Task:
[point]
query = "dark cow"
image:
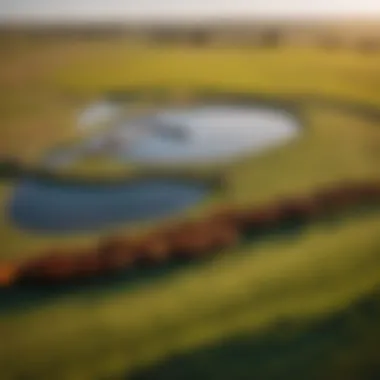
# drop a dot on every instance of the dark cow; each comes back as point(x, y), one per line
point(193, 240)
point(53, 267)
point(338, 198)
point(298, 209)
point(88, 263)
point(8, 274)
point(154, 249)
point(227, 216)
point(368, 192)
point(258, 220)
point(223, 231)
point(190, 240)
point(117, 253)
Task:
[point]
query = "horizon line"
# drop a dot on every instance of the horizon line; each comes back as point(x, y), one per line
point(188, 21)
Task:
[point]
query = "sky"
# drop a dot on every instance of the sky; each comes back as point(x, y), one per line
point(186, 10)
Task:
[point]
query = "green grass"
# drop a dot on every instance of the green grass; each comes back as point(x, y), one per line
point(317, 273)
point(306, 278)
point(326, 348)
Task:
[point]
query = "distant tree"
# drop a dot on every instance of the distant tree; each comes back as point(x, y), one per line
point(123, 94)
point(165, 35)
point(271, 38)
point(200, 38)
point(369, 45)
point(330, 42)
point(10, 169)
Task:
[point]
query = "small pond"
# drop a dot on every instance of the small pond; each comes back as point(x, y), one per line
point(69, 208)
point(191, 135)
point(205, 134)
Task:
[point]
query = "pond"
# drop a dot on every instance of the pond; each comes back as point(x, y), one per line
point(191, 135)
point(206, 134)
point(70, 208)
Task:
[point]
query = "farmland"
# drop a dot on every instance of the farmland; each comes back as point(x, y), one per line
point(306, 278)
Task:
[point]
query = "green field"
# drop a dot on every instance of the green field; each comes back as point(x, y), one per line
point(242, 291)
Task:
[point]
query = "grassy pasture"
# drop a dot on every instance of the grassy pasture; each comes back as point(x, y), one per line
point(306, 278)
point(309, 277)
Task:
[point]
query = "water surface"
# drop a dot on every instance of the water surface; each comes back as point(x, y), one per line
point(59, 208)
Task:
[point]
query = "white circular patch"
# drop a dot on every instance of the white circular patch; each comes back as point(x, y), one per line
point(204, 134)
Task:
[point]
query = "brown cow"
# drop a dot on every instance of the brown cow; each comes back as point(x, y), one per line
point(258, 219)
point(201, 238)
point(8, 274)
point(337, 198)
point(117, 253)
point(153, 249)
point(298, 209)
point(226, 215)
point(54, 266)
point(88, 263)
point(189, 240)
point(224, 231)
point(368, 192)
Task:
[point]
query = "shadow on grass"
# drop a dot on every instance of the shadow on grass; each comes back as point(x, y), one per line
point(287, 351)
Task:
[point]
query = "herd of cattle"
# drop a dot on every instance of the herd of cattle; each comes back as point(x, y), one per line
point(190, 240)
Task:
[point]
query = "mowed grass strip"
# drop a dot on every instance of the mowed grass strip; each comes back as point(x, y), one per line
point(344, 74)
point(317, 273)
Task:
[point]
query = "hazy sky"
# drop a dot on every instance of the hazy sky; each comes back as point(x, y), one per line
point(181, 9)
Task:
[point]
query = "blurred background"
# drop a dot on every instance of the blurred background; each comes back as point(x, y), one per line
point(189, 189)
